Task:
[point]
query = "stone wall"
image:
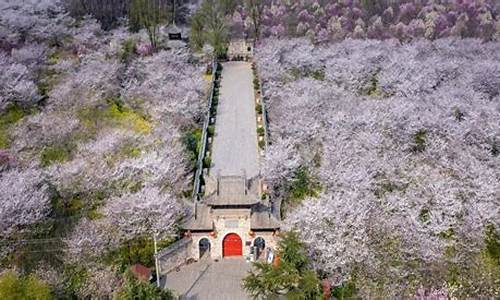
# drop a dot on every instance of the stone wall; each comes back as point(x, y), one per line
point(240, 48)
point(175, 255)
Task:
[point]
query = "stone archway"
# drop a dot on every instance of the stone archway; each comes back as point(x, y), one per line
point(204, 247)
point(232, 245)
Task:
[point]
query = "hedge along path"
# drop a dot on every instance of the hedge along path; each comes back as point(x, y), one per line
point(235, 146)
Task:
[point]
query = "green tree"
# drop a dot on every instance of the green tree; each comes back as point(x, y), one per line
point(255, 9)
point(149, 14)
point(209, 25)
point(292, 278)
point(14, 287)
point(134, 289)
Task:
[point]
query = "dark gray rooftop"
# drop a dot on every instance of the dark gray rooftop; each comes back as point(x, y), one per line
point(262, 218)
point(232, 191)
point(202, 219)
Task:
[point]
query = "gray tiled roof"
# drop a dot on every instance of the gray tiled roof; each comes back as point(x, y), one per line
point(232, 191)
point(262, 218)
point(203, 220)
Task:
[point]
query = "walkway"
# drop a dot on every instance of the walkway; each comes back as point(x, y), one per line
point(210, 280)
point(235, 144)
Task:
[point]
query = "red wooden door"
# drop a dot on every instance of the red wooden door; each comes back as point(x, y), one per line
point(232, 245)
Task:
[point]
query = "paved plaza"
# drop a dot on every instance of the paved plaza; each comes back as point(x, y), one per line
point(210, 280)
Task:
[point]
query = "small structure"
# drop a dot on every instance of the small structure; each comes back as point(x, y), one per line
point(174, 32)
point(240, 49)
point(141, 272)
point(232, 221)
point(175, 36)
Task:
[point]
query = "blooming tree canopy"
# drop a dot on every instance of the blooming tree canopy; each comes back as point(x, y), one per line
point(404, 140)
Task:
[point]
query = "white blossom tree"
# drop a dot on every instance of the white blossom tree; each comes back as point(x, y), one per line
point(24, 200)
point(407, 137)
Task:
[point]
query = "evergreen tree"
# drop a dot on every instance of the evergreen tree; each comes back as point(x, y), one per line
point(292, 277)
point(134, 289)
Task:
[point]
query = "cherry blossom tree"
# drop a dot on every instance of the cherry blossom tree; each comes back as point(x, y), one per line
point(403, 139)
point(118, 121)
point(166, 80)
point(17, 84)
point(402, 19)
point(33, 20)
point(144, 212)
point(24, 200)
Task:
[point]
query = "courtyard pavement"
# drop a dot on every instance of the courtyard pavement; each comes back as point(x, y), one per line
point(235, 144)
point(210, 280)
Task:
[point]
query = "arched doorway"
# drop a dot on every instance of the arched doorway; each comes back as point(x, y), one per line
point(232, 245)
point(259, 246)
point(204, 246)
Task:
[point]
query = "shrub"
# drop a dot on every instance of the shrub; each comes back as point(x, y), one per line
point(213, 110)
point(211, 130)
point(298, 73)
point(215, 100)
point(128, 50)
point(492, 242)
point(256, 84)
point(458, 114)
point(192, 142)
point(424, 216)
point(12, 286)
point(130, 151)
point(495, 149)
point(345, 291)
point(261, 131)
point(262, 144)
point(207, 162)
point(295, 72)
point(12, 114)
point(54, 154)
point(420, 141)
point(318, 74)
point(75, 277)
point(302, 185)
point(258, 108)
point(78, 204)
point(115, 114)
point(47, 77)
point(373, 89)
point(137, 250)
point(293, 277)
point(209, 70)
point(135, 289)
point(447, 234)
point(386, 186)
